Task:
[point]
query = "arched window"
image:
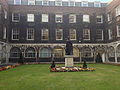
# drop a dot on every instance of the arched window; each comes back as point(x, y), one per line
point(75, 52)
point(118, 51)
point(111, 52)
point(86, 52)
point(58, 52)
point(15, 52)
point(30, 52)
point(45, 53)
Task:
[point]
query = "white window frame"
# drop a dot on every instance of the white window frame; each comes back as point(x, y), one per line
point(4, 32)
point(29, 16)
point(28, 32)
point(110, 34)
point(72, 15)
point(83, 3)
point(13, 18)
point(15, 33)
point(118, 10)
point(101, 17)
point(101, 36)
point(70, 33)
point(17, 3)
point(86, 34)
point(58, 16)
point(45, 18)
point(97, 3)
point(31, 2)
point(42, 34)
point(61, 35)
point(86, 18)
point(58, 1)
point(118, 30)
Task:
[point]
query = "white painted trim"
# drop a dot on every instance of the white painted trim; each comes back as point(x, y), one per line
point(13, 18)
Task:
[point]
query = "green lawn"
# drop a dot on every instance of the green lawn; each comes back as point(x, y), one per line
point(38, 77)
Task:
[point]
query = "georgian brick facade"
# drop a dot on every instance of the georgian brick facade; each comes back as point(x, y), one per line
point(29, 38)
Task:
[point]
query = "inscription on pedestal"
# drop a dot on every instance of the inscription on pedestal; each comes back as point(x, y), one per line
point(68, 61)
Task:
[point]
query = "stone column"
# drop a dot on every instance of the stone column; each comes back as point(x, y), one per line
point(115, 54)
point(94, 54)
point(106, 55)
point(7, 53)
point(80, 55)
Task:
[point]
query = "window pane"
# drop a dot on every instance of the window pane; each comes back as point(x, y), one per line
point(59, 18)
point(59, 34)
point(84, 4)
point(44, 34)
point(58, 3)
point(14, 52)
point(44, 17)
point(99, 34)
point(86, 34)
point(15, 34)
point(86, 18)
point(30, 34)
point(58, 53)
point(30, 17)
point(30, 52)
point(15, 17)
point(71, 3)
point(17, 2)
point(86, 52)
point(99, 19)
point(97, 4)
point(45, 53)
point(72, 34)
point(72, 18)
point(31, 2)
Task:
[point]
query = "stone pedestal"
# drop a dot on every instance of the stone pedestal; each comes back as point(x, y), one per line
point(69, 61)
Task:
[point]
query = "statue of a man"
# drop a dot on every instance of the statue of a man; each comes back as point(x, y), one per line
point(69, 48)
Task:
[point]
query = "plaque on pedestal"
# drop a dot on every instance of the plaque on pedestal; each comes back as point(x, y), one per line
point(68, 60)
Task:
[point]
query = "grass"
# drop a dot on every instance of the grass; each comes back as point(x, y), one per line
point(38, 77)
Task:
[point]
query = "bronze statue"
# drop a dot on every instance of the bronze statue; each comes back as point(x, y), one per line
point(69, 48)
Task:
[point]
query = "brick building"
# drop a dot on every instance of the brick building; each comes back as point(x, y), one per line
point(39, 29)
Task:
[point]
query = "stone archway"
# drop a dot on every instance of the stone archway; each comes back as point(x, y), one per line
point(100, 54)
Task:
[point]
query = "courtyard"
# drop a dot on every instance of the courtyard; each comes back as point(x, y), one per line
point(38, 77)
